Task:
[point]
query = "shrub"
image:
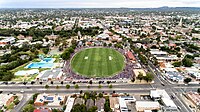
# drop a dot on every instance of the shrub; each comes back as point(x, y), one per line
point(67, 86)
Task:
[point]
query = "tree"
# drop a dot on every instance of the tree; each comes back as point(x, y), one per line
point(7, 76)
point(11, 106)
point(31, 102)
point(71, 50)
point(179, 55)
point(177, 64)
point(189, 56)
point(67, 86)
point(86, 95)
point(140, 76)
point(187, 80)
point(35, 96)
point(92, 109)
point(109, 44)
point(110, 86)
point(79, 108)
point(76, 86)
point(36, 52)
point(90, 81)
point(143, 59)
point(133, 79)
point(64, 107)
point(178, 49)
point(104, 44)
point(46, 86)
point(107, 106)
point(81, 91)
point(198, 90)
point(45, 50)
point(100, 86)
point(16, 101)
point(100, 95)
point(57, 87)
point(108, 82)
point(148, 77)
point(55, 110)
point(187, 62)
point(28, 108)
point(61, 82)
point(65, 55)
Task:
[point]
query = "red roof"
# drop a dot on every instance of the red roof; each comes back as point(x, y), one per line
point(37, 110)
point(172, 45)
point(41, 110)
point(89, 43)
point(130, 55)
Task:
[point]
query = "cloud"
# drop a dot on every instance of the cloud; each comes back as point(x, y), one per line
point(97, 3)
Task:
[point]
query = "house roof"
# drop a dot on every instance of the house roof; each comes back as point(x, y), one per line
point(130, 55)
point(41, 110)
point(50, 73)
point(147, 104)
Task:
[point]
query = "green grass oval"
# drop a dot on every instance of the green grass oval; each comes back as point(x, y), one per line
point(98, 62)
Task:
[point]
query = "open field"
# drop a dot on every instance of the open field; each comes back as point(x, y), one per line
point(98, 62)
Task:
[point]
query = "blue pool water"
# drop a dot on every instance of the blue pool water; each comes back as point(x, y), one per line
point(39, 65)
point(44, 63)
point(48, 60)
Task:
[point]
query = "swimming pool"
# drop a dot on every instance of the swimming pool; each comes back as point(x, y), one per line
point(44, 63)
point(47, 60)
point(40, 65)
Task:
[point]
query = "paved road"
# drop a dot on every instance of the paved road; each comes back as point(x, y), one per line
point(27, 91)
point(170, 89)
point(24, 100)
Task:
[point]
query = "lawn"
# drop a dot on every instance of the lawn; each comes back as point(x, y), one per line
point(24, 78)
point(98, 62)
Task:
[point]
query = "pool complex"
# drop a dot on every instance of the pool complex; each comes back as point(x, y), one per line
point(44, 63)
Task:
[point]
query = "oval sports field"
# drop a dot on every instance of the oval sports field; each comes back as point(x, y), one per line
point(98, 62)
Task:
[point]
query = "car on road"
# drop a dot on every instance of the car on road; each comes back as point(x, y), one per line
point(172, 97)
point(6, 83)
point(162, 84)
point(25, 83)
point(32, 82)
point(28, 87)
point(12, 82)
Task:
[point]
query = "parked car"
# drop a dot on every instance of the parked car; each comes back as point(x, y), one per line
point(12, 82)
point(6, 83)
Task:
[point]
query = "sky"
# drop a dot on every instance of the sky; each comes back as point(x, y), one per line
point(97, 3)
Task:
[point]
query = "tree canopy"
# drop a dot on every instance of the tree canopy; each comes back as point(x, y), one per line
point(187, 62)
point(28, 108)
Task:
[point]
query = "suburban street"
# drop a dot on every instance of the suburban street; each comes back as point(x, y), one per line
point(171, 89)
point(174, 90)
